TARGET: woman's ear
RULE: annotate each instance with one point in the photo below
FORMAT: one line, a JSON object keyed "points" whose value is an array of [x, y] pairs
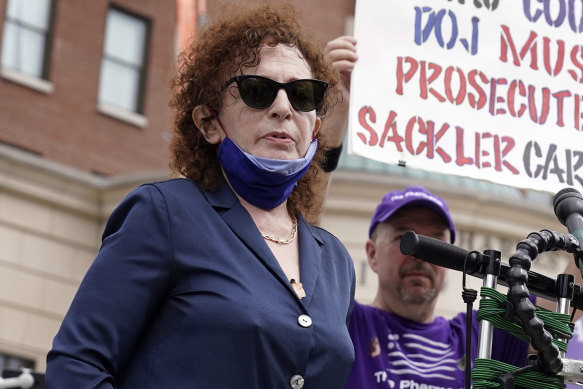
{"points": [[203, 119], [317, 125]]}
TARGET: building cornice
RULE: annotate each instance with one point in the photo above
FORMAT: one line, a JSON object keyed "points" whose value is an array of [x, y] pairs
{"points": [[28, 175]]}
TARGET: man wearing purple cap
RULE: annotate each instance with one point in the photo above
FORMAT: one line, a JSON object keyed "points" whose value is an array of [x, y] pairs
{"points": [[398, 341]]}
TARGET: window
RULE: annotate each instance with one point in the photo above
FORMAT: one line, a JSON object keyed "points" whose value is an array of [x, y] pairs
{"points": [[25, 43], [123, 64]]}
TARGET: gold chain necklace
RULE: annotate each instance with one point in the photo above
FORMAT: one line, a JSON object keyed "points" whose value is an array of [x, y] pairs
{"points": [[283, 241]]}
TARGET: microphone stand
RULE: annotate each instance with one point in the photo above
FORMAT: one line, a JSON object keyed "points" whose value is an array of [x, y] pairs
{"points": [[518, 276], [486, 329]]}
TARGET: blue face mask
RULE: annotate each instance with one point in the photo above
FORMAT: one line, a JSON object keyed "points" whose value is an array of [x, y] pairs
{"points": [[263, 182]]}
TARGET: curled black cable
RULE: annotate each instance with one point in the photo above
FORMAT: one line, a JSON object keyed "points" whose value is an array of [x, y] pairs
{"points": [[518, 294]]}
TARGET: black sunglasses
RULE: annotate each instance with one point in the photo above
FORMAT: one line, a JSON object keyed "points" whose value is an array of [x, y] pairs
{"points": [[260, 92]]}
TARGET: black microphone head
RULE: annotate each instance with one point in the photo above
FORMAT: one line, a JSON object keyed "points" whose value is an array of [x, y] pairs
{"points": [[566, 202], [409, 242]]}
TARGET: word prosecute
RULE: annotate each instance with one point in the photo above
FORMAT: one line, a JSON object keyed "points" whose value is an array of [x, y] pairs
{"points": [[499, 95], [482, 150]]}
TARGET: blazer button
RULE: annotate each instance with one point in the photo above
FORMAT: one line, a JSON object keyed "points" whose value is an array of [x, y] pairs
{"points": [[305, 321], [297, 382]]}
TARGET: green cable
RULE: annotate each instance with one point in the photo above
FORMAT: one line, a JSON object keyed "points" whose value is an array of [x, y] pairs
{"points": [[493, 309], [487, 371]]}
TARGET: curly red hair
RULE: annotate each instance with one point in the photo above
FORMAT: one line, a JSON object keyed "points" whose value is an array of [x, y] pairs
{"points": [[225, 47]]}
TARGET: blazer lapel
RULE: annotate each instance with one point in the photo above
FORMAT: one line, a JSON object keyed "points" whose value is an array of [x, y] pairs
{"points": [[240, 222], [228, 207], [310, 258]]}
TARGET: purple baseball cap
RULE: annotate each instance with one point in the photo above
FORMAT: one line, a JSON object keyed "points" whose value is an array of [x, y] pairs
{"points": [[413, 195]]}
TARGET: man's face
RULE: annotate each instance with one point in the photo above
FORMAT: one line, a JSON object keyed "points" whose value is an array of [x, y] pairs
{"points": [[402, 278]]}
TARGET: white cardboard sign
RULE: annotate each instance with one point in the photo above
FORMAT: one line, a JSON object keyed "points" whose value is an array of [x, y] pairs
{"points": [[488, 89]]}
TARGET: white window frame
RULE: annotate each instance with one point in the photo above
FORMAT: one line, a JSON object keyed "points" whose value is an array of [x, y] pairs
{"points": [[123, 96], [38, 79]]}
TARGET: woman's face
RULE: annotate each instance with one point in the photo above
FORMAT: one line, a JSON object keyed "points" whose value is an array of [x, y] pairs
{"points": [[279, 131]]}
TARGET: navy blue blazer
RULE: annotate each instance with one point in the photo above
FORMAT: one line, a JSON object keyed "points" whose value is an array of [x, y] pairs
{"points": [[185, 293]]}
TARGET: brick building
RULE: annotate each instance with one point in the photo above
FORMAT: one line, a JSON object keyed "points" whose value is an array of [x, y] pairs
{"points": [[67, 107], [68, 111]]}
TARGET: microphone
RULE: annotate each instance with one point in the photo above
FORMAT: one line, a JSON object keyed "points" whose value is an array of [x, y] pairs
{"points": [[438, 252], [568, 206], [452, 257]]}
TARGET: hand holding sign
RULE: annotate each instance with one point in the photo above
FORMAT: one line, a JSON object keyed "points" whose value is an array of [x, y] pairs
{"points": [[341, 52]]}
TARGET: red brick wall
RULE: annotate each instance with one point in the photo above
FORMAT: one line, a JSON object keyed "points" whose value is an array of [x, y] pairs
{"points": [[66, 126], [325, 18]]}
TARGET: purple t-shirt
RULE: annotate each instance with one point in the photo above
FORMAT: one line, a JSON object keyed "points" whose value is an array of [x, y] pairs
{"points": [[396, 353]]}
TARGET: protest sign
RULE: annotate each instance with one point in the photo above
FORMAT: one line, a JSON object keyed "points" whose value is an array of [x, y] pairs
{"points": [[488, 89]]}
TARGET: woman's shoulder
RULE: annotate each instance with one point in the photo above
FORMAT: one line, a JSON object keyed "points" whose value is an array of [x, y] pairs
{"points": [[171, 184], [331, 245], [325, 236], [169, 189], [171, 192]]}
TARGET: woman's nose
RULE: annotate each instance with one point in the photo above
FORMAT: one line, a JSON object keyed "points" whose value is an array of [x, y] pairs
{"points": [[281, 106]]}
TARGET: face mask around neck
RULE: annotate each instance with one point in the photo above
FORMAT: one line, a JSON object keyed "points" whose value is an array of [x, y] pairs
{"points": [[263, 182]]}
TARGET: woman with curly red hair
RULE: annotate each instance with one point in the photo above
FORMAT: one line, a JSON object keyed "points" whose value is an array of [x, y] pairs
{"points": [[215, 279]]}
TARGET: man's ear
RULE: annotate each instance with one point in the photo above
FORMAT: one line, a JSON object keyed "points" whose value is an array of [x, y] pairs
{"points": [[371, 252], [207, 125]]}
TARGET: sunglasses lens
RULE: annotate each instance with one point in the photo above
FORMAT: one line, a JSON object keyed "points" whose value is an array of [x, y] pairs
{"points": [[257, 92], [260, 92], [306, 95]]}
